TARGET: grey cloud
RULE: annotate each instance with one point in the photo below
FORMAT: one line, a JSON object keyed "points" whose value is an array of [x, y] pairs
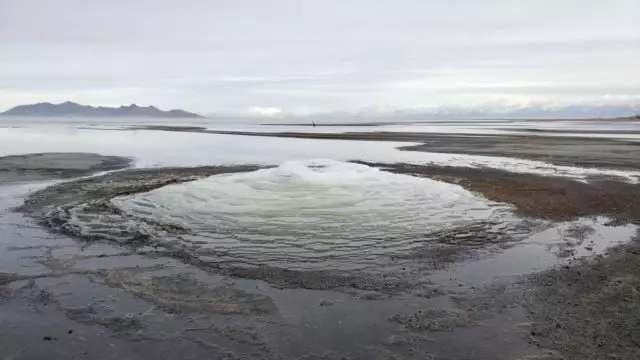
{"points": [[326, 55]]}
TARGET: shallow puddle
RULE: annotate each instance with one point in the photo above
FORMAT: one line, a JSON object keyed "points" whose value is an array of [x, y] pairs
{"points": [[556, 245]]}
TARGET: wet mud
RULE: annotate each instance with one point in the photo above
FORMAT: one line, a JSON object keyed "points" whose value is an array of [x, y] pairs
{"points": [[98, 190], [584, 309], [83, 209], [109, 292], [182, 293], [544, 197], [47, 166], [589, 309]]}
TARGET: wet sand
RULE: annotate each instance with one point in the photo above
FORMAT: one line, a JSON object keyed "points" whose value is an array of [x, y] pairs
{"points": [[535, 288]]}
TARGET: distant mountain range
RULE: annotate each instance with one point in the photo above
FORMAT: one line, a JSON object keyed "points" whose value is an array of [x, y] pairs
{"points": [[69, 108]]}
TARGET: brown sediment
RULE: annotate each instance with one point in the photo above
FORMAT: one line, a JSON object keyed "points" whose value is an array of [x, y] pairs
{"points": [[544, 197]]}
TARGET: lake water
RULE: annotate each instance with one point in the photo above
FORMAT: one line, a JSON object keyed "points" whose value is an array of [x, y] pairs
{"points": [[163, 148], [312, 219]]}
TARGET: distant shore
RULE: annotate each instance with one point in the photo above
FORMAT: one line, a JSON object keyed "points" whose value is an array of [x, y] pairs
{"points": [[560, 150]]}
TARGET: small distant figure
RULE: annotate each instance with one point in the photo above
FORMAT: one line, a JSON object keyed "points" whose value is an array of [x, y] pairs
{"points": [[314, 123]]}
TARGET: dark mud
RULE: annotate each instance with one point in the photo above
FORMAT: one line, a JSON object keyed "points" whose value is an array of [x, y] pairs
{"points": [[470, 306], [589, 309], [183, 293], [584, 310], [558, 150], [174, 312], [40, 322], [47, 166], [575, 131], [142, 299], [106, 187], [544, 197], [432, 320]]}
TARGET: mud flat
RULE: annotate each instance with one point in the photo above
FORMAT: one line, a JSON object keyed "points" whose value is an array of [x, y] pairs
{"points": [[48, 166], [542, 197], [555, 277], [559, 150], [589, 309]]}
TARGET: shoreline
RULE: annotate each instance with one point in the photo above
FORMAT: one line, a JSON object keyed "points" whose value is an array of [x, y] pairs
{"points": [[558, 150], [161, 300]]}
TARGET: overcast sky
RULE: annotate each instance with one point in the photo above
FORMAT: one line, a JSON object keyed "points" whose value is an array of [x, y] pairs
{"points": [[322, 55]]}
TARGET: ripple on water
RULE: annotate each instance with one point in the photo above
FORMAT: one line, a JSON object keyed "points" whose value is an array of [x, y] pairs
{"points": [[310, 214]]}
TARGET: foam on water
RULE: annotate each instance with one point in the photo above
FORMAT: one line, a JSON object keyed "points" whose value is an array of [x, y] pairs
{"points": [[304, 212]]}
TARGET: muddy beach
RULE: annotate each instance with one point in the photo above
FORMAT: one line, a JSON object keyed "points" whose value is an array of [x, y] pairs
{"points": [[553, 276]]}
